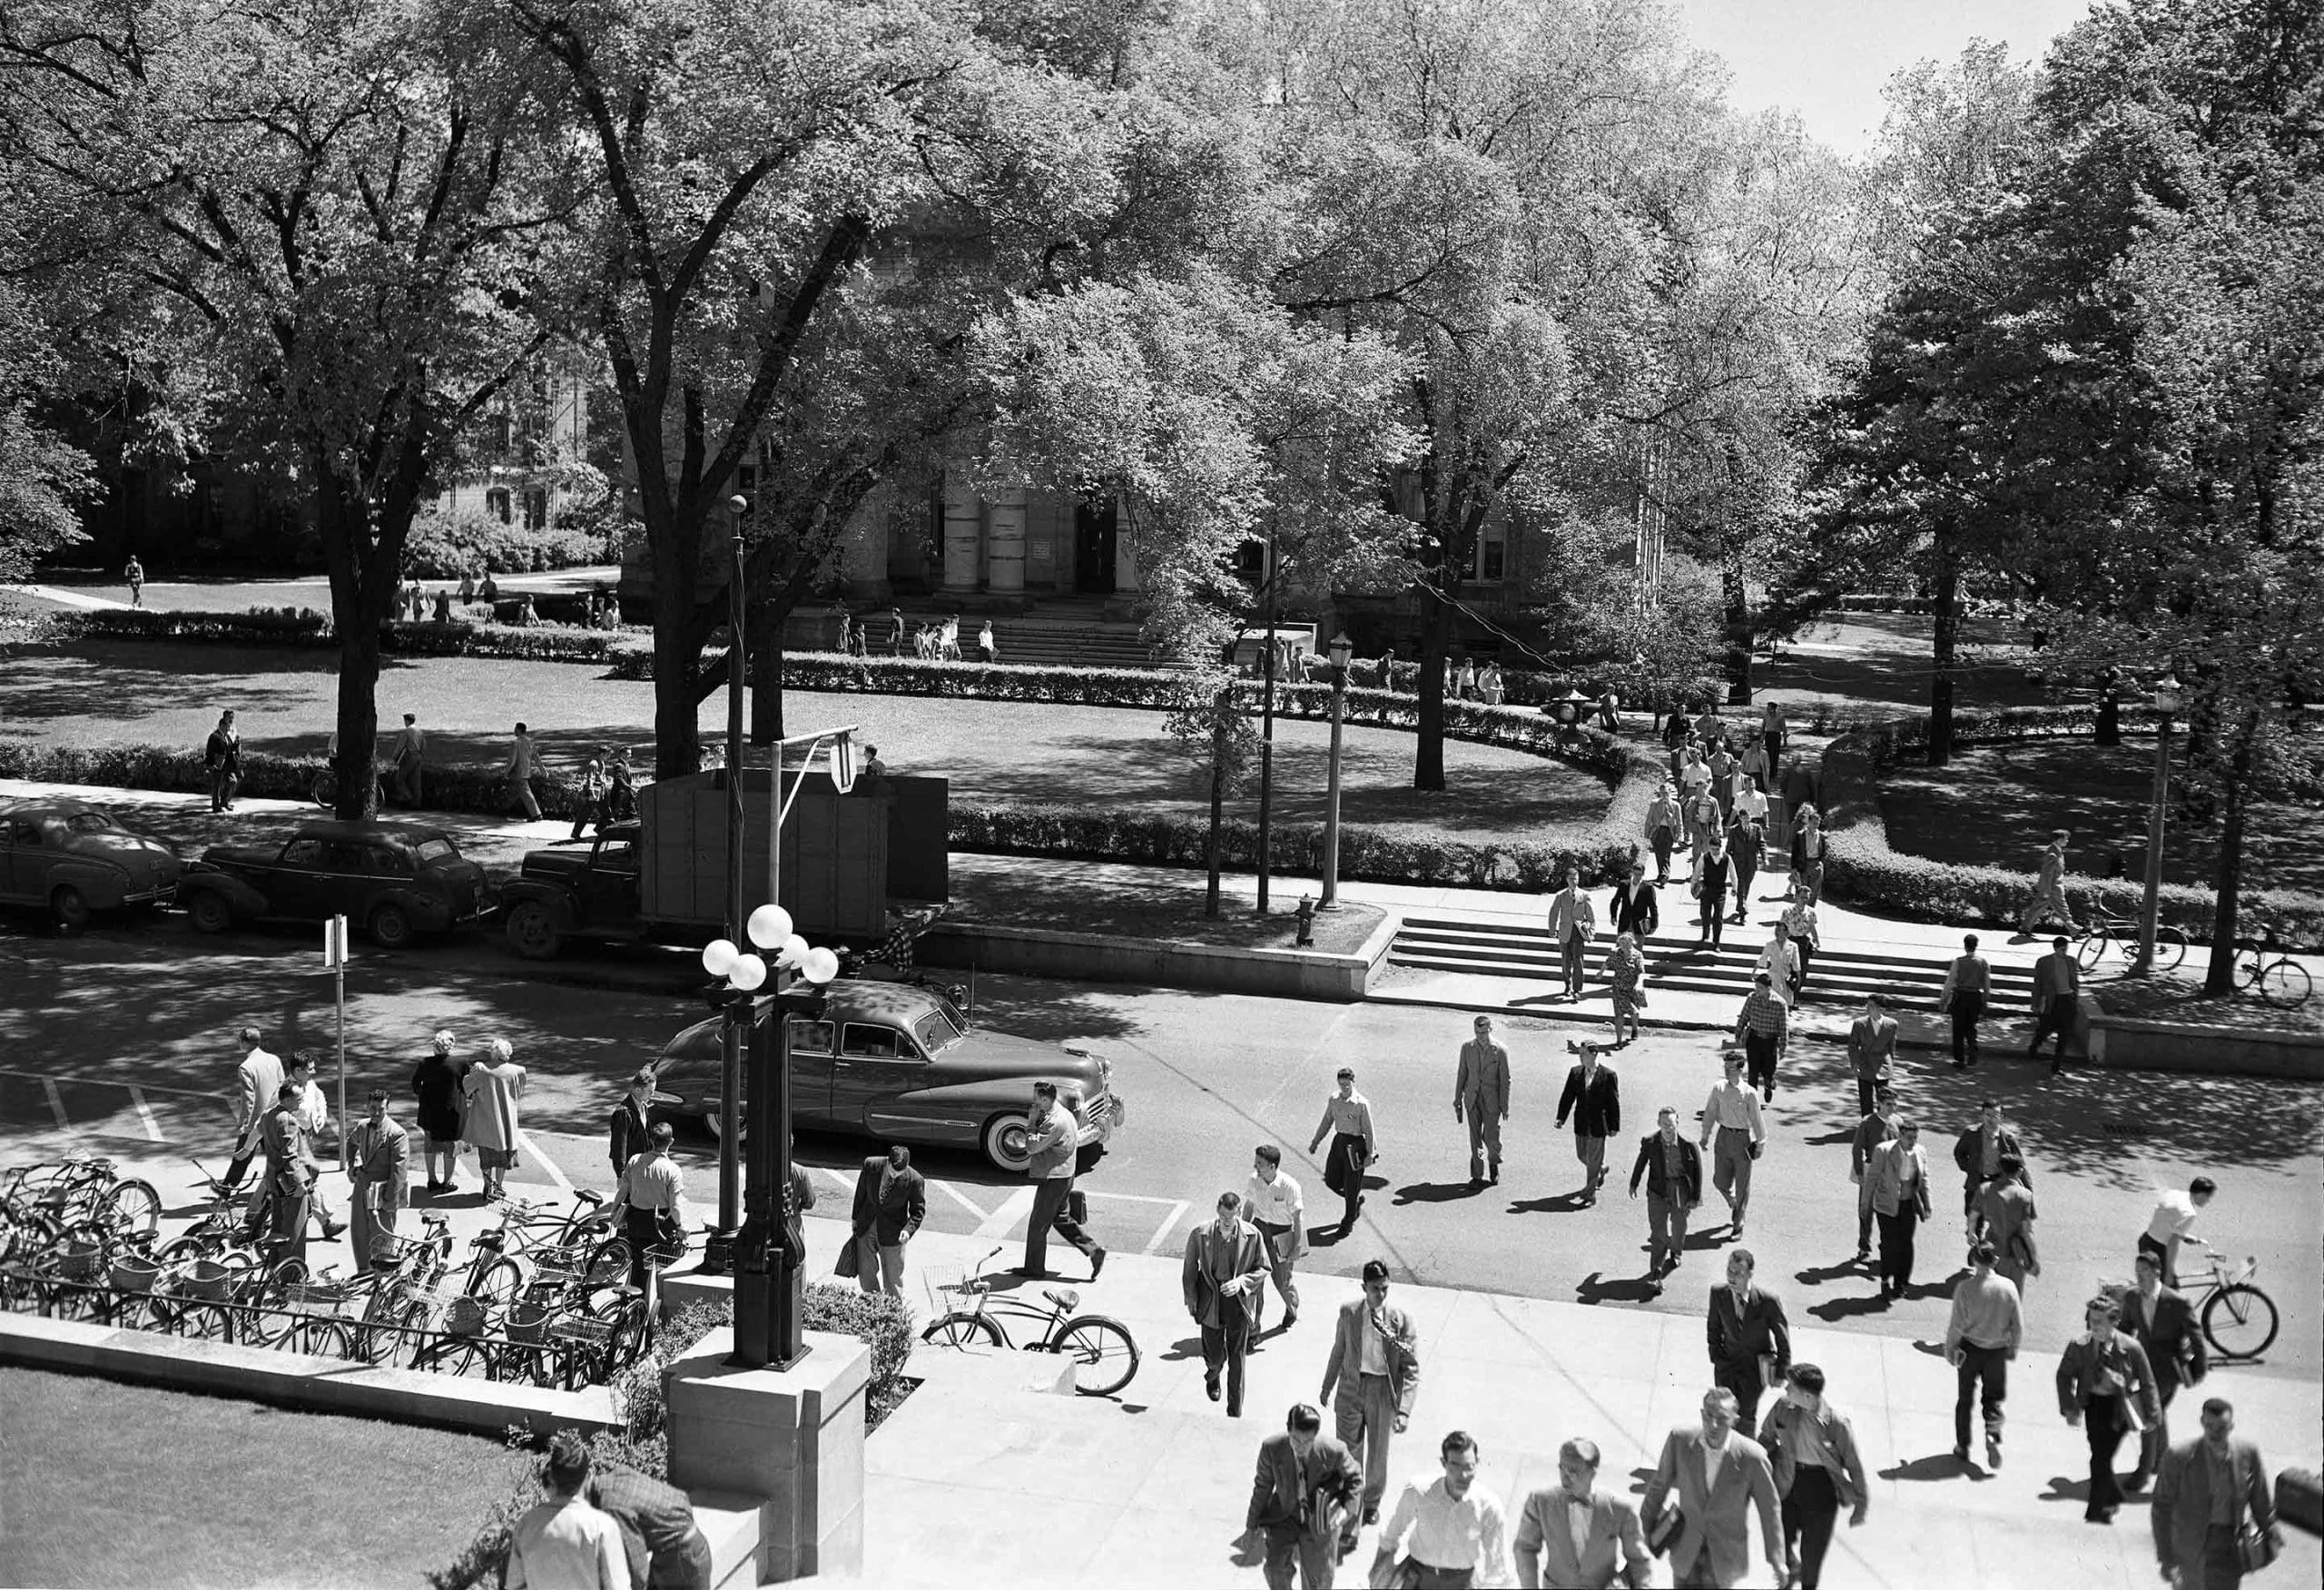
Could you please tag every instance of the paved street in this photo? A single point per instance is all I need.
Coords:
(122, 1039)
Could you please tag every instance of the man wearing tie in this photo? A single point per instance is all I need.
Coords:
(1719, 1474)
(1573, 1537)
(379, 1157)
(2057, 990)
(1572, 923)
(1750, 1339)
(1375, 1367)
(1303, 1495)
(1593, 1098)
(1481, 1093)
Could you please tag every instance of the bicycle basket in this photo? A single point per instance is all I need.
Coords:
(206, 1281)
(528, 1323)
(948, 1289)
(78, 1259)
(581, 1330)
(132, 1274)
(309, 1297)
(464, 1315)
(2240, 1275)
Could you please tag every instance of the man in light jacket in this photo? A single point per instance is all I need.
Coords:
(2191, 1540)
(257, 1080)
(1574, 1536)
(1719, 1474)
(378, 1164)
(1374, 1365)
(1053, 1137)
(1480, 1096)
(1573, 921)
(1224, 1276)
(1812, 1447)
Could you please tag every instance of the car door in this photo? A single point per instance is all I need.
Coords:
(385, 867)
(812, 1059)
(876, 1065)
(609, 888)
(294, 882)
(23, 870)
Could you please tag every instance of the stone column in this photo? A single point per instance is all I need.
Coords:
(864, 550)
(963, 532)
(1006, 575)
(1125, 563)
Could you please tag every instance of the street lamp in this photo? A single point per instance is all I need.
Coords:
(2167, 702)
(1341, 649)
(718, 1249)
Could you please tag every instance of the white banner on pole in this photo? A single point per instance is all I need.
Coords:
(335, 944)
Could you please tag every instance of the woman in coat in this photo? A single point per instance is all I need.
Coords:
(1662, 823)
(436, 1084)
(492, 1090)
(1625, 970)
(2104, 1377)
(1898, 1170)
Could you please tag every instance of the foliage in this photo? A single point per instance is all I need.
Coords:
(1214, 735)
(41, 474)
(462, 636)
(446, 545)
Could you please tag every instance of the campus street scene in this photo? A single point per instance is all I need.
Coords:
(1296, 794)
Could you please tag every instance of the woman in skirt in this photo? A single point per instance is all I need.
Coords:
(1627, 969)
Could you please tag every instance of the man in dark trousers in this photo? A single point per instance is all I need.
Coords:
(1750, 1340)
(891, 1203)
(1968, 985)
(1672, 1170)
(1877, 1127)
(221, 759)
(2161, 1321)
(1303, 1497)
(665, 1548)
(2057, 990)
(627, 1125)
(1593, 1098)
(1224, 1277)
(1053, 1136)
(1978, 1155)
(1632, 908)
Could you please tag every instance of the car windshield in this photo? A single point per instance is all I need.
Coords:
(934, 1031)
(91, 823)
(435, 850)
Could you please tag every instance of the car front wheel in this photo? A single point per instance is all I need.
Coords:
(391, 927)
(71, 907)
(210, 912)
(1008, 1146)
(530, 931)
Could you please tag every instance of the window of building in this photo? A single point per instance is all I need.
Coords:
(1488, 554)
(504, 432)
(496, 503)
(536, 509)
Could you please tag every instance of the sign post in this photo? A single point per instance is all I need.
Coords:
(335, 962)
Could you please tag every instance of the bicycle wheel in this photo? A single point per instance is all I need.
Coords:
(1105, 1357)
(2285, 984)
(497, 1284)
(2093, 948)
(2170, 949)
(608, 1264)
(2240, 1321)
(132, 1208)
(963, 1329)
(460, 1355)
(323, 1338)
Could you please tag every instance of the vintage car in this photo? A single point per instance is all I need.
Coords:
(395, 880)
(76, 859)
(901, 1064)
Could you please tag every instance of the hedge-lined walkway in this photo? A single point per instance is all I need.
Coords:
(125, 692)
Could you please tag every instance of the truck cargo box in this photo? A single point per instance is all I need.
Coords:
(834, 852)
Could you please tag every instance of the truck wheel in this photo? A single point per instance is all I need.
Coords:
(391, 927)
(531, 932)
(210, 912)
(71, 907)
(1007, 1145)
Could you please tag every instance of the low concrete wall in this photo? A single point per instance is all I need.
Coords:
(291, 1380)
(1103, 958)
(2131, 1045)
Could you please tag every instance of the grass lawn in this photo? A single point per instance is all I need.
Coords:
(2178, 996)
(1996, 806)
(120, 693)
(1034, 894)
(238, 594)
(105, 1483)
(1882, 659)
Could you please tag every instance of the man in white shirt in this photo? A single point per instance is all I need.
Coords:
(1271, 1202)
(565, 1544)
(2172, 1223)
(1780, 960)
(1347, 1116)
(1449, 1528)
(313, 1111)
(1731, 1116)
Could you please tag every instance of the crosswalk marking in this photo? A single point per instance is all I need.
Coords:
(964, 1200)
(1016, 1207)
(55, 1101)
(144, 1112)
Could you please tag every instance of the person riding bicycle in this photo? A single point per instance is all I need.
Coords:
(2172, 1224)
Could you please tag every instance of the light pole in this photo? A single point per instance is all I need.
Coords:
(718, 1247)
(2166, 707)
(1341, 649)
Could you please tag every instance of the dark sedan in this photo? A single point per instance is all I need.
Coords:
(395, 880)
(895, 1063)
(77, 859)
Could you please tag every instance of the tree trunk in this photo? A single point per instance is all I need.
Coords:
(1945, 588)
(362, 553)
(2219, 978)
(358, 722)
(1217, 791)
(677, 648)
(1737, 612)
(1435, 647)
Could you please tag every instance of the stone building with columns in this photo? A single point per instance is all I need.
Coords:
(1001, 553)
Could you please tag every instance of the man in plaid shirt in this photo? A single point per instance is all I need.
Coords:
(1764, 1028)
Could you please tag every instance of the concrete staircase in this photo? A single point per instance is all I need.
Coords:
(1063, 631)
(1837, 976)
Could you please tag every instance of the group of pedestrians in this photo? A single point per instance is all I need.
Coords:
(468, 1106)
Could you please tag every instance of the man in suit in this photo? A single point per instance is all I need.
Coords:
(626, 1128)
(378, 1155)
(1375, 1365)
(2105, 1385)
(1978, 1153)
(1574, 921)
(1877, 1127)
(1750, 1339)
(1573, 1537)
(1872, 1048)
(1053, 1138)
(1223, 1277)
(2208, 1489)
(1720, 1474)
(1301, 1498)
(1593, 1098)
(1632, 909)
(1481, 1095)
(1672, 1170)
(891, 1202)
(2057, 985)
(2160, 1320)
(257, 1080)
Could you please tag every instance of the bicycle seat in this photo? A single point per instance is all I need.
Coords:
(583, 1195)
(1067, 1301)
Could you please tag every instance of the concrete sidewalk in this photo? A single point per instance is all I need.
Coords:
(1149, 1489)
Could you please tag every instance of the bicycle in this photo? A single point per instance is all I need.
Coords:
(70, 1191)
(2239, 1319)
(533, 1236)
(1104, 1352)
(2121, 934)
(2283, 981)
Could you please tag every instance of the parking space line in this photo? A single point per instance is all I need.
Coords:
(55, 1101)
(1017, 1206)
(963, 1199)
(556, 1171)
(54, 1077)
(1163, 1230)
(144, 1112)
(844, 1183)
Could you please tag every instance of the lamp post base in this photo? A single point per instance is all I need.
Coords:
(717, 1253)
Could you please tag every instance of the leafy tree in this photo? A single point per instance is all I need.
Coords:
(341, 203)
(41, 474)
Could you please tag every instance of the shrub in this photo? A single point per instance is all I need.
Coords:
(400, 636)
(446, 546)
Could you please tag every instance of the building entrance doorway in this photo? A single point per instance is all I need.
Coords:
(1094, 530)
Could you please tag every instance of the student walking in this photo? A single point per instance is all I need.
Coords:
(1812, 1448)
(1224, 1277)
(135, 574)
(1053, 1139)
(1594, 1099)
(2199, 1532)
(1721, 1476)
(257, 1081)
(493, 1089)
(1978, 1153)
(589, 804)
(565, 1544)
(1877, 1127)
(2005, 1208)
(2106, 1386)
(1445, 1531)
(378, 1166)
(1574, 923)
(2057, 993)
(1981, 1338)
(1806, 933)
(1626, 980)
(1747, 844)
(1347, 1117)
(437, 1081)
(649, 1203)
(1271, 1201)
(1966, 985)
(1713, 870)
(1763, 1028)
(407, 756)
(1374, 1368)
(519, 774)
(1899, 1203)
(1631, 907)
(1749, 1336)
(221, 759)
(1872, 1050)
(891, 1203)
(1672, 1170)
(1573, 1534)
(2047, 904)
(1662, 825)
(1303, 1498)
(1481, 1095)
(2163, 1323)
(1731, 1117)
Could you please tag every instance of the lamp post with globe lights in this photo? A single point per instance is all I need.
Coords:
(718, 1249)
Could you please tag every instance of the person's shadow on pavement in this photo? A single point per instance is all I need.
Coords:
(1593, 1288)
(1936, 1466)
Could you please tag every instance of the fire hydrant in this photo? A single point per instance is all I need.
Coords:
(1305, 916)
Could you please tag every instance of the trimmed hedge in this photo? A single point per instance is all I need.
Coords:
(397, 637)
(471, 788)
(1861, 869)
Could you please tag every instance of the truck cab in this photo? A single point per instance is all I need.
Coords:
(578, 889)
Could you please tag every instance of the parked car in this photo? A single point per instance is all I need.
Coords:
(77, 860)
(901, 1064)
(396, 880)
